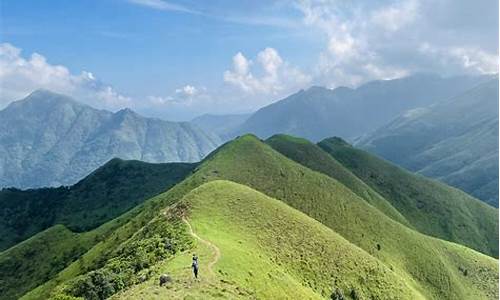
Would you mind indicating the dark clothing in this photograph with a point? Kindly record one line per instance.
(195, 270)
(194, 265)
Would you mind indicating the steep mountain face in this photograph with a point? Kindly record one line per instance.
(222, 125)
(103, 195)
(455, 141)
(318, 113)
(49, 139)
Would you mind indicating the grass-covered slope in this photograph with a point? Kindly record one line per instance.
(292, 256)
(312, 156)
(25, 266)
(42, 256)
(101, 196)
(434, 268)
(430, 206)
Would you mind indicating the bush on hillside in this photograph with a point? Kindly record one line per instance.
(131, 263)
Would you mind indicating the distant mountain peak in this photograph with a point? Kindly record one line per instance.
(127, 111)
(45, 93)
(65, 140)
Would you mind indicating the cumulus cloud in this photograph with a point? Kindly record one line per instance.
(187, 91)
(270, 75)
(20, 75)
(384, 39)
(394, 16)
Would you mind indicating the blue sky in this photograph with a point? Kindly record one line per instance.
(178, 59)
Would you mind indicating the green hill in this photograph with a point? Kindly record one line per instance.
(39, 258)
(103, 195)
(151, 242)
(312, 156)
(430, 206)
(293, 256)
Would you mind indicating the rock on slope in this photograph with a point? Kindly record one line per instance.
(49, 139)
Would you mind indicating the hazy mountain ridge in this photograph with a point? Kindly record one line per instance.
(319, 113)
(223, 125)
(49, 139)
(455, 141)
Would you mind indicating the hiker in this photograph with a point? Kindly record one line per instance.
(194, 265)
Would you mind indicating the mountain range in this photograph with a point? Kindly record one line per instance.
(222, 125)
(318, 113)
(455, 141)
(48, 139)
(280, 218)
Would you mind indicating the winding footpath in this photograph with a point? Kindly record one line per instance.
(215, 249)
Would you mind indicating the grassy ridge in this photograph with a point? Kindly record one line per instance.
(432, 267)
(431, 207)
(317, 258)
(310, 155)
(293, 256)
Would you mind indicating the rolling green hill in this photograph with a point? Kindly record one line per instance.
(103, 195)
(154, 240)
(434, 268)
(293, 256)
(430, 206)
(312, 156)
(39, 258)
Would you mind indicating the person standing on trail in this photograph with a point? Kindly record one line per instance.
(194, 265)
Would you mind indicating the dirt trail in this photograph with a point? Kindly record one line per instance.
(209, 244)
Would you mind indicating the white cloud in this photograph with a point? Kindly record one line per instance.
(19, 76)
(382, 40)
(163, 5)
(393, 17)
(472, 59)
(276, 75)
(187, 91)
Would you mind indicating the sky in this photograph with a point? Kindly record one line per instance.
(179, 59)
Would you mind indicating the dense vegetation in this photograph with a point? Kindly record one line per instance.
(369, 253)
(102, 196)
(133, 260)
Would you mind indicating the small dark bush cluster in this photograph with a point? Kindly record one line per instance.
(463, 270)
(338, 294)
